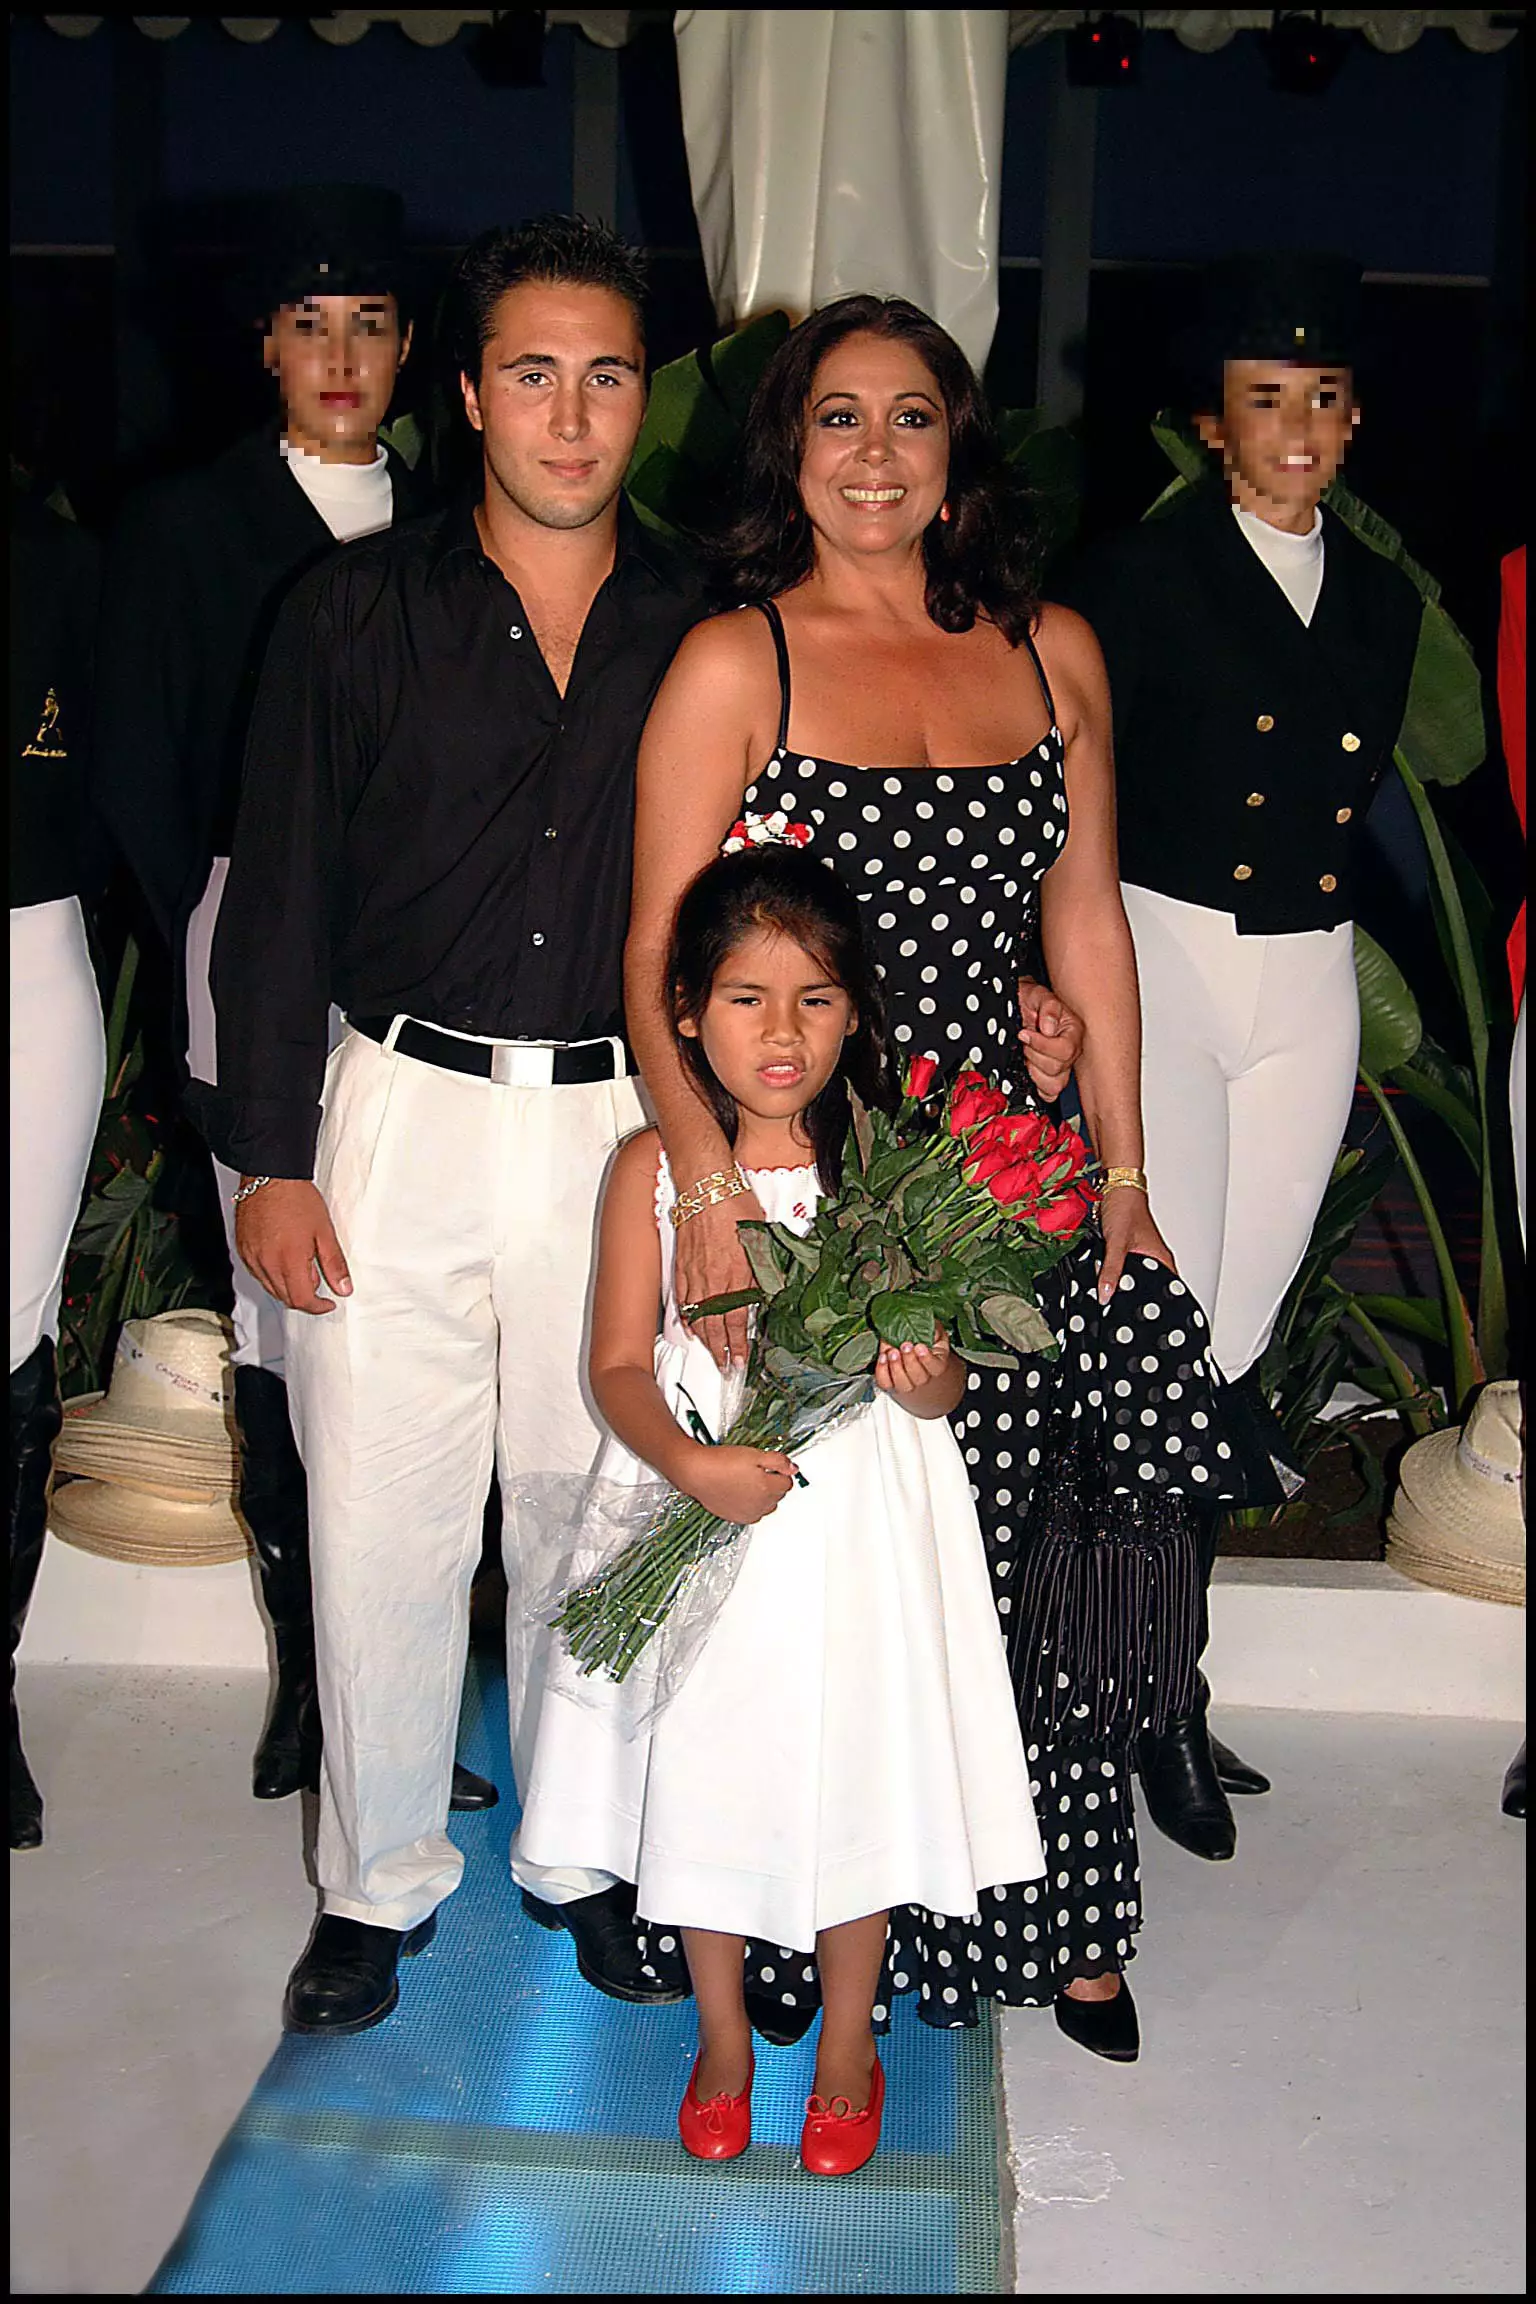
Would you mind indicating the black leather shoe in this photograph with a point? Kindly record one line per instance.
(346, 1980)
(607, 1952)
(1181, 1787)
(781, 2027)
(1104, 2027)
(471, 1792)
(1511, 1800)
(1234, 1775)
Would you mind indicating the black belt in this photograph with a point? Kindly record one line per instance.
(517, 1063)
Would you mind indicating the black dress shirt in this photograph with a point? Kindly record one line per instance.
(1247, 744)
(426, 826)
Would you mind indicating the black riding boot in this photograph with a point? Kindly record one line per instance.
(35, 1419)
(274, 1501)
(1186, 1774)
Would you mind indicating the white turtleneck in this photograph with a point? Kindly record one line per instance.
(1295, 562)
(352, 499)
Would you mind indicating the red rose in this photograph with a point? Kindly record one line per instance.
(1004, 1139)
(921, 1072)
(797, 835)
(972, 1100)
(1064, 1214)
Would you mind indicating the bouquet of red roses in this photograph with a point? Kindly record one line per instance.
(947, 1213)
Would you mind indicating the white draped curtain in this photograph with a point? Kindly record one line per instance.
(838, 149)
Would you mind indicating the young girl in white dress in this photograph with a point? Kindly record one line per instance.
(847, 1740)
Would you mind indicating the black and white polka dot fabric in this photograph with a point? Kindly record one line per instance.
(948, 866)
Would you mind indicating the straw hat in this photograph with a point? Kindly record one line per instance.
(122, 1523)
(1456, 1521)
(166, 1426)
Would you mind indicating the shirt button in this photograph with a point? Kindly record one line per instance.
(538, 936)
(1243, 872)
(1350, 741)
(1255, 799)
(1264, 723)
(514, 632)
(1342, 815)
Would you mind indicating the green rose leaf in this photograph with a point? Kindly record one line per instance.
(768, 1268)
(859, 1352)
(1018, 1323)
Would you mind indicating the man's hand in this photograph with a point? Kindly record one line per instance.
(711, 1261)
(287, 1241)
(1052, 1037)
(739, 1485)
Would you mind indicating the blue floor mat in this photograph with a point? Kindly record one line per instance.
(510, 2131)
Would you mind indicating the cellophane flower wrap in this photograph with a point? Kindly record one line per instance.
(946, 1214)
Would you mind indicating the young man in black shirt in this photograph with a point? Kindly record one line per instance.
(435, 832)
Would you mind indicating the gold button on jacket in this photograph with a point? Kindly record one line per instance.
(1350, 742)
(1342, 815)
(1255, 799)
(1243, 872)
(1264, 723)
(1327, 883)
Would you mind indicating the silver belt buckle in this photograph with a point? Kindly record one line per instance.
(522, 1064)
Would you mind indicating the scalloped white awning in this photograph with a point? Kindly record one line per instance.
(1391, 30)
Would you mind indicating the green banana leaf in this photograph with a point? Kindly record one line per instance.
(406, 437)
(693, 420)
(1447, 1089)
(1391, 1028)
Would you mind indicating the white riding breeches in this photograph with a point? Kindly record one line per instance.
(467, 1213)
(1249, 1046)
(58, 1071)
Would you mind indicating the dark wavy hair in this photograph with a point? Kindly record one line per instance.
(558, 251)
(789, 894)
(982, 559)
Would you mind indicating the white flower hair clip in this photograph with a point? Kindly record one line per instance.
(775, 831)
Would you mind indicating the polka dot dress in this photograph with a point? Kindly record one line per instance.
(948, 866)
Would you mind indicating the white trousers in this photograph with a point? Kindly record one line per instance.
(1249, 1046)
(260, 1338)
(467, 1213)
(1517, 1108)
(58, 1072)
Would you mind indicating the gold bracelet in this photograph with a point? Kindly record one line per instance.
(1133, 1179)
(708, 1192)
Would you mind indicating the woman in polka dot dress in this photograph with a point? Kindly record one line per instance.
(894, 622)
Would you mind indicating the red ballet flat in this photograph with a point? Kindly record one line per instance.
(835, 2140)
(719, 2128)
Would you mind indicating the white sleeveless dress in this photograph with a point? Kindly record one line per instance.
(848, 1739)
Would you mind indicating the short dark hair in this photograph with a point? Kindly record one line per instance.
(983, 557)
(563, 251)
(780, 890)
